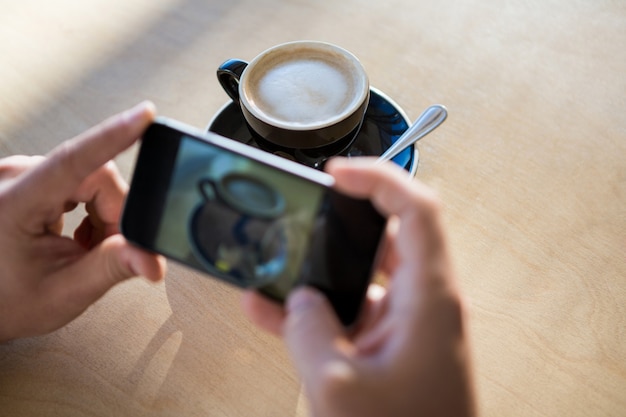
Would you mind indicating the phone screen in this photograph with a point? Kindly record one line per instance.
(249, 221)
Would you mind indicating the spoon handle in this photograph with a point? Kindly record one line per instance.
(426, 123)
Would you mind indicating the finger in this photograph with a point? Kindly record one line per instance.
(103, 192)
(389, 187)
(388, 258)
(422, 264)
(264, 313)
(57, 227)
(74, 160)
(374, 308)
(78, 285)
(393, 192)
(313, 334)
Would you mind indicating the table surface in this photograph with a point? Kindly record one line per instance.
(530, 166)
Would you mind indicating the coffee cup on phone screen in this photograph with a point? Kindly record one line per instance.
(305, 100)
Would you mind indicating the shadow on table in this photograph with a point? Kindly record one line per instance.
(215, 355)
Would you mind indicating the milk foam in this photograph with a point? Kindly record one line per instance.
(304, 91)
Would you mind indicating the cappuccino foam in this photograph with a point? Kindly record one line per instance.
(304, 88)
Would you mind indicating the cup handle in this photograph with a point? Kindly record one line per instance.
(228, 75)
(207, 194)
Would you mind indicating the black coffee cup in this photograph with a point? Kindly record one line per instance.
(305, 100)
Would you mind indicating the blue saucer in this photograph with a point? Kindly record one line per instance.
(384, 122)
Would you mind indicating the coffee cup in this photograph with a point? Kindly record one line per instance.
(247, 243)
(304, 99)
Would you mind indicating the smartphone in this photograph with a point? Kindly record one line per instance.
(250, 218)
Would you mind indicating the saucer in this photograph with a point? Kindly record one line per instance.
(384, 123)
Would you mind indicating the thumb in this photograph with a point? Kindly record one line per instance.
(112, 261)
(312, 332)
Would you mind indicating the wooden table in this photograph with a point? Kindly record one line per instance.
(531, 168)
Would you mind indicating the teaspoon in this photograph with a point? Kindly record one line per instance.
(426, 123)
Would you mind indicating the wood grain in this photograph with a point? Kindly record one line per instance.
(530, 166)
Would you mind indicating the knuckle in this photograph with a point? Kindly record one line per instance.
(65, 159)
(455, 311)
(113, 175)
(105, 184)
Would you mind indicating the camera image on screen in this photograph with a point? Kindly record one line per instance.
(250, 241)
(237, 218)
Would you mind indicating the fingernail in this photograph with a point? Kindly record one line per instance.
(140, 110)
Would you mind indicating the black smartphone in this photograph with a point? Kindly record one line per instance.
(250, 218)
